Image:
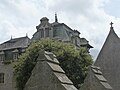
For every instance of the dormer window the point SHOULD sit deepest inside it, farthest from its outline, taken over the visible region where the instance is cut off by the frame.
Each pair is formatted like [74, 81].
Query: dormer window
[15, 54]
[2, 57]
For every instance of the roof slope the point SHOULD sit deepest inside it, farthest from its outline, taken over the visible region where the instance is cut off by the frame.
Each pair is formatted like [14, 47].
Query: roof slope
[21, 42]
[95, 80]
[109, 60]
[48, 75]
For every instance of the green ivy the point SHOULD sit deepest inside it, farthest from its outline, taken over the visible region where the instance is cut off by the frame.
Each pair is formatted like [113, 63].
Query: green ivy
[75, 62]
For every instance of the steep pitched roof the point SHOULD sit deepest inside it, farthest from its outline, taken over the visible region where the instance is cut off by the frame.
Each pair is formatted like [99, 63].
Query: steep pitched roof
[21, 42]
[48, 75]
[109, 60]
[95, 80]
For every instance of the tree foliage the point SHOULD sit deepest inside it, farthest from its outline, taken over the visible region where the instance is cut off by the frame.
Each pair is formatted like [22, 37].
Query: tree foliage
[75, 62]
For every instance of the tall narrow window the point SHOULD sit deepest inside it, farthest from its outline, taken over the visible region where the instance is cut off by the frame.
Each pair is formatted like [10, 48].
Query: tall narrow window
[75, 41]
[1, 77]
[15, 54]
[55, 32]
[47, 32]
[2, 56]
[42, 33]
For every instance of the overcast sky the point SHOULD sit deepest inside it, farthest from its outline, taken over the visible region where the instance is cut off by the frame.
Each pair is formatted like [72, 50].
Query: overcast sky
[90, 17]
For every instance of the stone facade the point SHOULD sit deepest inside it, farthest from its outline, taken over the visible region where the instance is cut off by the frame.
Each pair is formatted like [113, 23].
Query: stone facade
[48, 75]
[8, 83]
[95, 80]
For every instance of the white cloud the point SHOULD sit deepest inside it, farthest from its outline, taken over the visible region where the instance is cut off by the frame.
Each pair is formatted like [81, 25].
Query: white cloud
[19, 17]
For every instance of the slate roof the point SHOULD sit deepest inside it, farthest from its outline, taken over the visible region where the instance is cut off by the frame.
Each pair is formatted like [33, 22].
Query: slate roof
[84, 42]
[59, 31]
[21, 42]
[54, 24]
[95, 80]
[109, 59]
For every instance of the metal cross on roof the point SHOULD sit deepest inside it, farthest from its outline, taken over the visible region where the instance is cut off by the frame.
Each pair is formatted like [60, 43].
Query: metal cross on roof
[111, 24]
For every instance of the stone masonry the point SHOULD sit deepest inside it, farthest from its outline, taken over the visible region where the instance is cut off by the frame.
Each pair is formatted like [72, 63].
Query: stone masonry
[95, 80]
[48, 75]
[9, 83]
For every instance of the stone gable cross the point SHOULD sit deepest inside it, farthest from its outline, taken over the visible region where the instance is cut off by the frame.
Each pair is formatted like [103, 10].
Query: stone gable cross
[111, 24]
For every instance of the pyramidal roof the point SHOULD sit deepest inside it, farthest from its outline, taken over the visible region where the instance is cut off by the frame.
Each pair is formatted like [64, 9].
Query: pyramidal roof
[95, 80]
[48, 75]
[109, 59]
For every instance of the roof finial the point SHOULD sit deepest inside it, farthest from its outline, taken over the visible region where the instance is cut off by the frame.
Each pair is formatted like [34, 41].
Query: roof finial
[111, 25]
[11, 37]
[26, 34]
[56, 20]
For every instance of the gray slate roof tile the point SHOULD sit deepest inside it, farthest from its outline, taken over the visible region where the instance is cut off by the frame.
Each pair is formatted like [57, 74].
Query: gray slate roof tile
[100, 77]
[63, 78]
[97, 71]
[69, 87]
[55, 67]
[106, 85]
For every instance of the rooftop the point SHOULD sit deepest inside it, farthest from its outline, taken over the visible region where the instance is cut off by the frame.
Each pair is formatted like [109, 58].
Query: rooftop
[21, 42]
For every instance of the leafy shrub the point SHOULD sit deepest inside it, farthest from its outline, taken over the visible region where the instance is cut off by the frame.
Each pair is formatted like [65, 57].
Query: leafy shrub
[74, 61]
